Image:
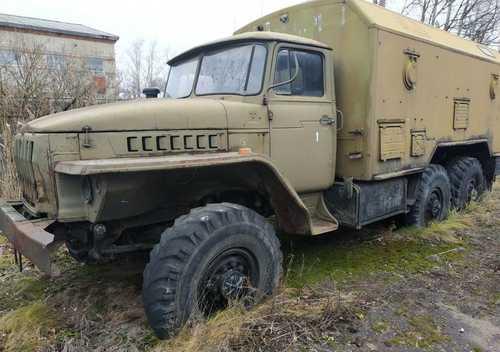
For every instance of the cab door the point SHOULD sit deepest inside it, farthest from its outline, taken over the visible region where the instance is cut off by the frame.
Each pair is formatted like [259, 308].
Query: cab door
[302, 117]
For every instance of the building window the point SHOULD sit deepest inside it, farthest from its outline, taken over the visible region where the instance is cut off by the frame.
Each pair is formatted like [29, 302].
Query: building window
[7, 57]
[56, 62]
[101, 85]
[95, 65]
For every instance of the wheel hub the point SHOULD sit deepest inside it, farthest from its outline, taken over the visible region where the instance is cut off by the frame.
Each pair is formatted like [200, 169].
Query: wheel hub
[434, 206]
[232, 284]
[227, 278]
[472, 193]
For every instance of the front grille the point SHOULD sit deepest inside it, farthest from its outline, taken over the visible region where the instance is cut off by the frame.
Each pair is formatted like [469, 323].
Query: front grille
[178, 141]
[23, 154]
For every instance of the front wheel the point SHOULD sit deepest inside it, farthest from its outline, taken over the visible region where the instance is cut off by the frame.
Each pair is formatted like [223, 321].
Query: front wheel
[214, 255]
[432, 197]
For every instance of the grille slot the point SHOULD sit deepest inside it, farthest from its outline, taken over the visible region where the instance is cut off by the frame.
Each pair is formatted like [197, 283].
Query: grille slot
[178, 142]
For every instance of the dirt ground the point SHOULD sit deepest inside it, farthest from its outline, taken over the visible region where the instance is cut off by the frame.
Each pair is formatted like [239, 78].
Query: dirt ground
[454, 306]
[381, 289]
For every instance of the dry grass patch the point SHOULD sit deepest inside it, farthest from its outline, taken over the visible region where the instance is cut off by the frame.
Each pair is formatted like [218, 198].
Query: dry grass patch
[448, 231]
[294, 318]
[29, 328]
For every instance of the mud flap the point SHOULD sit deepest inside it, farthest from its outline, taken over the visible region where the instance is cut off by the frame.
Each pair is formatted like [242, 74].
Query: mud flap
[29, 238]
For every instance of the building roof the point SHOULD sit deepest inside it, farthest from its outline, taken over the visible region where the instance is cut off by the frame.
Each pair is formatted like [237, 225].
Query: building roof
[251, 37]
[50, 26]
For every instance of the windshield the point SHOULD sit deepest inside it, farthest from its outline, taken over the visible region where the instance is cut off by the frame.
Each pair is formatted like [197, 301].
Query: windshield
[181, 79]
[235, 70]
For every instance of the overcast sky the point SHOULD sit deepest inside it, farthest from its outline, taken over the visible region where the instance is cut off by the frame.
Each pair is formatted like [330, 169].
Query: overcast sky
[175, 24]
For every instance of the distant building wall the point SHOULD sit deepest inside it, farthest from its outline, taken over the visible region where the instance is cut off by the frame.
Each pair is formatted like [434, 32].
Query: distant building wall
[92, 54]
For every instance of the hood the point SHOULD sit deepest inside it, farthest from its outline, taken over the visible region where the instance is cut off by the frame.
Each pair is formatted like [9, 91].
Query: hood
[146, 114]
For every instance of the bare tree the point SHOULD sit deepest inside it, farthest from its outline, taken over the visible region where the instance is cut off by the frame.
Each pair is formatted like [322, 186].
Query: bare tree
[145, 66]
[134, 72]
[33, 84]
[477, 20]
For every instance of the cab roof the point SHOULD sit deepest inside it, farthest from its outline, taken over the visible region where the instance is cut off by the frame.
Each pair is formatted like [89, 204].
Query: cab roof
[250, 37]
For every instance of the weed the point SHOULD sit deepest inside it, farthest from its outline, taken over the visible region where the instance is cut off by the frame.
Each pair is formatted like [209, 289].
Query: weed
[28, 328]
[380, 327]
[348, 261]
[422, 333]
[445, 231]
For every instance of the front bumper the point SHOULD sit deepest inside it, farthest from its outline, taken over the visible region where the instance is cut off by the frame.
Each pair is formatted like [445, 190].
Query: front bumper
[29, 237]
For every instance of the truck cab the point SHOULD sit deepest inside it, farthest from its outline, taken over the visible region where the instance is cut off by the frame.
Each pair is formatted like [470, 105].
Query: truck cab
[286, 85]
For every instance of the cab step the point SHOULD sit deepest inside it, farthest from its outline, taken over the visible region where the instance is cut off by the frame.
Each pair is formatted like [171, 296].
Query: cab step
[322, 221]
[320, 226]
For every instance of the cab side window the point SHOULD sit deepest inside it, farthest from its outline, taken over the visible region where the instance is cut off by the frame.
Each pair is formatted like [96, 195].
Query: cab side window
[309, 80]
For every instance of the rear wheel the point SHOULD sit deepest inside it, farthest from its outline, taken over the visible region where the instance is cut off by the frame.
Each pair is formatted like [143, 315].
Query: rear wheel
[467, 181]
[432, 197]
[214, 255]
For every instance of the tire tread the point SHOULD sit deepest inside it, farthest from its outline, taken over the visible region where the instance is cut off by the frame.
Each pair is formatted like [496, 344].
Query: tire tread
[168, 261]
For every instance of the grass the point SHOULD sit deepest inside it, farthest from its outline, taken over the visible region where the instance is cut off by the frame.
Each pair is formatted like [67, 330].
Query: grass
[345, 261]
[422, 333]
[6, 261]
[28, 328]
[348, 262]
[101, 296]
[219, 330]
[445, 231]
[311, 318]
[380, 327]
[100, 307]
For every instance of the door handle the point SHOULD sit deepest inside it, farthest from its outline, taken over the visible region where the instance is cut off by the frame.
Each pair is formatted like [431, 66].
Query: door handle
[327, 120]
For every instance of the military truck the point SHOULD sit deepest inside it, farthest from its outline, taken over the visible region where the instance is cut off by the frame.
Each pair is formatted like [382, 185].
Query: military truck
[326, 114]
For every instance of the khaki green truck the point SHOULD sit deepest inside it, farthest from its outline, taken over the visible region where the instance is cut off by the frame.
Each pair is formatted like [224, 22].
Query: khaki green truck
[326, 114]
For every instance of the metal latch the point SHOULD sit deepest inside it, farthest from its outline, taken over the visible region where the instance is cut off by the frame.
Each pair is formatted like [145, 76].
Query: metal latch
[327, 120]
[86, 137]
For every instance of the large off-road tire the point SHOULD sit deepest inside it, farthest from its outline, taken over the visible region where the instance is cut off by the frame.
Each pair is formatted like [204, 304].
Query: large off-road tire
[432, 197]
[467, 181]
[213, 255]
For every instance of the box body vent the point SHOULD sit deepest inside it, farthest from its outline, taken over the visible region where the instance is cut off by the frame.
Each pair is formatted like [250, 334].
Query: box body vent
[461, 114]
[392, 142]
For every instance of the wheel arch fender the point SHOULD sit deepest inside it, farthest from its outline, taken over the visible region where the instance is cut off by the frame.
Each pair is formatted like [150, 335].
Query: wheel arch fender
[253, 172]
[260, 175]
[480, 149]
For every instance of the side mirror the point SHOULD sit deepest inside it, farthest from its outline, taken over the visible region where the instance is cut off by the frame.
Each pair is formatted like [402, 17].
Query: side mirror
[151, 92]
